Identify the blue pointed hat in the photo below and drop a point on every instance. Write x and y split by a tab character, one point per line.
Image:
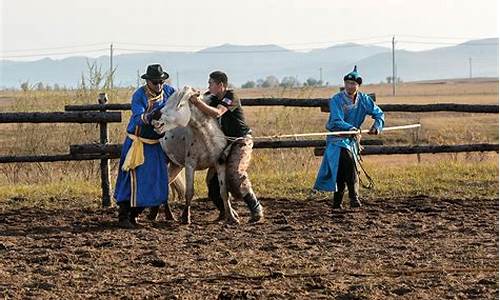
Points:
354	76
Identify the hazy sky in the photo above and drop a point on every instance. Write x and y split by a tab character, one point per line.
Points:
60	28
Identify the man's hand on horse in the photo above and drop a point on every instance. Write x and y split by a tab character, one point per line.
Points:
195	97
153	115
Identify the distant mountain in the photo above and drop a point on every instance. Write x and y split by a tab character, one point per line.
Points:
229	48
446	62
243	63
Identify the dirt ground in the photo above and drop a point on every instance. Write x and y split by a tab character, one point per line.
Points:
413	248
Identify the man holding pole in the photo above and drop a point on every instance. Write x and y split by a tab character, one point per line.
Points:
348	110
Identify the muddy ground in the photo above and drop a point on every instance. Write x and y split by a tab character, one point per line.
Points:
413	248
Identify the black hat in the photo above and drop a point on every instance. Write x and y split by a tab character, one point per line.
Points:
354	76
155	72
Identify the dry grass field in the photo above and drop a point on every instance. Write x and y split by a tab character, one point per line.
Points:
428	229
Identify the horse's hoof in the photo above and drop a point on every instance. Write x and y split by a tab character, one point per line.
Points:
256	219
153	213
186	220
232	221
257	215
169	217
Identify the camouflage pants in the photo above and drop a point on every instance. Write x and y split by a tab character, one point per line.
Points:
237	164
238	183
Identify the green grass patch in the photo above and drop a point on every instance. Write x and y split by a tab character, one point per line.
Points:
444	178
57	194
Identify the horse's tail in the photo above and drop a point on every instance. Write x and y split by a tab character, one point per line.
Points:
177	191
178	187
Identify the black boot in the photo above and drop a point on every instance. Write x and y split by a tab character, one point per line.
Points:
354	195
134	214
124	215
153	213
338	195
214	195
255	207
337	199
355	202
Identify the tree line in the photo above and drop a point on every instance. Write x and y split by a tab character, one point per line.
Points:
287	81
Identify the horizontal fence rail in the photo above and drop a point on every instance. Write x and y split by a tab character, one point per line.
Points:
115	149
467	108
421	149
54	158
61	117
112	151
323	104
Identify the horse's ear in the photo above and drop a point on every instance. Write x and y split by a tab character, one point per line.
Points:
184	95
180	98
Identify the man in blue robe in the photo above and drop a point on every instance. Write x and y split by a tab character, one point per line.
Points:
142	177
348	110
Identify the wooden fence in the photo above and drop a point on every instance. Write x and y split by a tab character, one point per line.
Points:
98	113
102	118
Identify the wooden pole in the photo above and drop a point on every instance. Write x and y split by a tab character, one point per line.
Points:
110	66
393	67
336	133
105	167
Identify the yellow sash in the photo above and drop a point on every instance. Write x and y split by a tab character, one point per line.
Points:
135	155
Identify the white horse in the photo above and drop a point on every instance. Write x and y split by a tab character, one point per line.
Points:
193	141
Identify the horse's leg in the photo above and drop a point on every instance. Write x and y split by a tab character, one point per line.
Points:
213	188
186	213
177	186
173	172
228	210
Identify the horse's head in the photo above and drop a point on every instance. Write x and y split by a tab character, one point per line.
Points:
176	112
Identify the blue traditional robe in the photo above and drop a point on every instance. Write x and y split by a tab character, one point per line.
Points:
147	184
344	116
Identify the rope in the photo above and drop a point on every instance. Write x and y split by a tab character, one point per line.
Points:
341	133
371	182
349	132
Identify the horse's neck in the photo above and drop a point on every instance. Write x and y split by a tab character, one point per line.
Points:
206	128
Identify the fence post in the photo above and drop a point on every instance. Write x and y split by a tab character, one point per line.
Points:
105	167
417	140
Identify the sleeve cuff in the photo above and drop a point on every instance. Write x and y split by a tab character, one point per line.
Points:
143	118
